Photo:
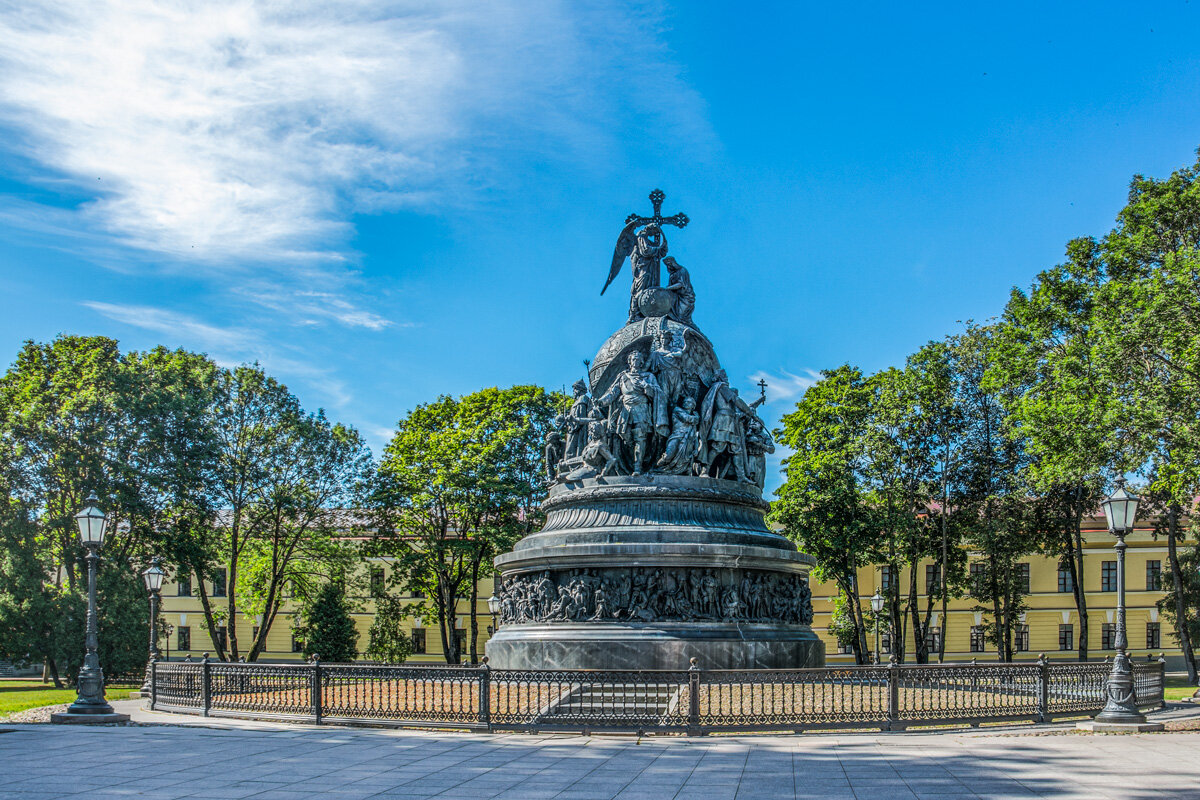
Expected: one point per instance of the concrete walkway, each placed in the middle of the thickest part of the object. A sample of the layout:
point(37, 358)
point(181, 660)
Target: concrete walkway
point(236, 759)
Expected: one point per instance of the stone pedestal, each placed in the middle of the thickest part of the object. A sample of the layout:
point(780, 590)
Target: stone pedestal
point(648, 572)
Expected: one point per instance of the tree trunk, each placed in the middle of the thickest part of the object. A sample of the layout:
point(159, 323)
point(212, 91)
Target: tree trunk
point(1181, 626)
point(210, 620)
point(921, 646)
point(859, 645)
point(997, 613)
point(52, 668)
point(474, 601)
point(1077, 582)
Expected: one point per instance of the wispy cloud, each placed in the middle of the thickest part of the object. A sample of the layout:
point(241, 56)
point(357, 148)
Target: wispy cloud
point(784, 386)
point(233, 132)
point(178, 327)
point(229, 347)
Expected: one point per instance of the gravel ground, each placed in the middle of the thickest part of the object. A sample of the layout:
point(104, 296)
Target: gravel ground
point(41, 714)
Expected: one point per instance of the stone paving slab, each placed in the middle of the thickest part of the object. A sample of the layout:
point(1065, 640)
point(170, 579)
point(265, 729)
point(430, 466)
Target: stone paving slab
point(231, 759)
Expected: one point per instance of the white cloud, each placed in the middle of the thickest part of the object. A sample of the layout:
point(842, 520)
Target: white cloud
point(233, 131)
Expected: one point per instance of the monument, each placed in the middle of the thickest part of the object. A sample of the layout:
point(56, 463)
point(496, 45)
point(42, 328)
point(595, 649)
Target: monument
point(655, 548)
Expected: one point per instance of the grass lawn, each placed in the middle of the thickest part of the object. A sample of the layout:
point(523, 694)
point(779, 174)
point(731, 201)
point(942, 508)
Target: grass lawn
point(1178, 689)
point(18, 695)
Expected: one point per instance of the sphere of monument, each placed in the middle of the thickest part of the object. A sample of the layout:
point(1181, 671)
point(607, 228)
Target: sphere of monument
point(655, 301)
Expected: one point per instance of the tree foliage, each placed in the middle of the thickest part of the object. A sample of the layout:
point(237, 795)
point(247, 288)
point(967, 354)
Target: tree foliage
point(458, 483)
point(327, 626)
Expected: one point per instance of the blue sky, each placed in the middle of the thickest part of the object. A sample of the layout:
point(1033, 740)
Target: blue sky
point(382, 202)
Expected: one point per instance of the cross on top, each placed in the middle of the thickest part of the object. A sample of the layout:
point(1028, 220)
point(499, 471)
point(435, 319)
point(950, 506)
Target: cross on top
point(762, 387)
point(656, 197)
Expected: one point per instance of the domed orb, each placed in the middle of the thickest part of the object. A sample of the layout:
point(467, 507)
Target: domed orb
point(655, 301)
point(640, 336)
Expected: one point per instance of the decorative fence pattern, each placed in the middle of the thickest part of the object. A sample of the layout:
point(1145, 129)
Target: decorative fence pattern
point(690, 701)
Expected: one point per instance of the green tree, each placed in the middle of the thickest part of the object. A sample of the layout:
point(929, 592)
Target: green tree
point(388, 641)
point(822, 503)
point(283, 481)
point(459, 483)
point(77, 416)
point(1146, 313)
point(1064, 413)
point(327, 626)
point(993, 501)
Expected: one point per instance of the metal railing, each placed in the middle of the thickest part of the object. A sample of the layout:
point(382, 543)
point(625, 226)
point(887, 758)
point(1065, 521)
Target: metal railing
point(692, 701)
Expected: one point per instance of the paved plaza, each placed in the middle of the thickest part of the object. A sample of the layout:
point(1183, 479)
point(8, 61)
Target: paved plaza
point(233, 759)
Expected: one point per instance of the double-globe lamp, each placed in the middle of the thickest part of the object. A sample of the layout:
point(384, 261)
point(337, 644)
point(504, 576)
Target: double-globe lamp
point(90, 705)
point(876, 607)
point(1121, 708)
point(153, 577)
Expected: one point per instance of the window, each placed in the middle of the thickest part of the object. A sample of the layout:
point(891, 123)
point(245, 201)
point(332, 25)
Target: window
point(885, 642)
point(418, 640)
point(933, 639)
point(219, 582)
point(377, 576)
point(843, 649)
point(1108, 576)
point(222, 637)
point(185, 638)
point(297, 643)
point(1065, 584)
point(460, 639)
point(1022, 638)
point(183, 584)
point(1153, 577)
point(1023, 577)
point(933, 584)
point(885, 578)
point(978, 573)
point(977, 639)
point(1066, 637)
point(1153, 636)
point(1108, 636)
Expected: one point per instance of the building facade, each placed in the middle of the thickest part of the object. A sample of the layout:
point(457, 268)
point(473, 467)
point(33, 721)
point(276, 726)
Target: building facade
point(1050, 625)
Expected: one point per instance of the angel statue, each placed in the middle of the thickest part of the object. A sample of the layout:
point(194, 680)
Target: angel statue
point(645, 250)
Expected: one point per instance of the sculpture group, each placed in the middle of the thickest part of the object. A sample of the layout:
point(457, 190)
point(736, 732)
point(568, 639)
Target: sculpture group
point(654, 595)
point(655, 551)
point(667, 412)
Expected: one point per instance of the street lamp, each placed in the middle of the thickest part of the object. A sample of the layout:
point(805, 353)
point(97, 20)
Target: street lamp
point(153, 578)
point(493, 604)
point(90, 705)
point(876, 607)
point(1120, 510)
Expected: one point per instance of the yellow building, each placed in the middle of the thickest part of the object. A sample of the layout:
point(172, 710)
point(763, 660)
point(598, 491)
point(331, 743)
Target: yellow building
point(181, 608)
point(1050, 625)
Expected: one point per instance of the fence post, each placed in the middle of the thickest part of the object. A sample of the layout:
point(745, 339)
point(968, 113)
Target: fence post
point(485, 694)
point(693, 727)
point(893, 679)
point(1043, 714)
point(205, 686)
point(153, 682)
point(316, 688)
point(1162, 680)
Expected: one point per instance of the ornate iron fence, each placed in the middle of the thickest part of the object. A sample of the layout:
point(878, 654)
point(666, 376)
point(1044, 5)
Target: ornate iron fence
point(692, 701)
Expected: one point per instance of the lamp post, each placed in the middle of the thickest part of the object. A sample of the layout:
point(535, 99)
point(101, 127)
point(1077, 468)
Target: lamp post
point(876, 607)
point(493, 604)
point(1120, 511)
point(90, 705)
point(153, 578)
